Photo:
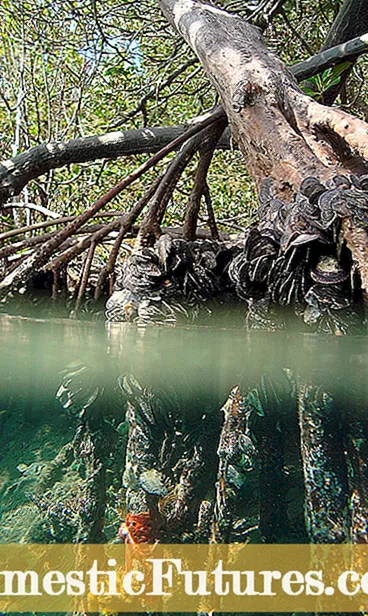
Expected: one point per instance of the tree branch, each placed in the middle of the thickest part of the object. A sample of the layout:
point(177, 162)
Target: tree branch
point(16, 172)
point(41, 257)
point(330, 57)
point(351, 22)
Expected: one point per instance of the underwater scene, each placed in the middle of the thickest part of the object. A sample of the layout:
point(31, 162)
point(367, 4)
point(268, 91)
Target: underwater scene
point(112, 433)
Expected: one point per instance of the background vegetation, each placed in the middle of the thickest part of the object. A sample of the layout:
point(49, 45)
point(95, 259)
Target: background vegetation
point(76, 68)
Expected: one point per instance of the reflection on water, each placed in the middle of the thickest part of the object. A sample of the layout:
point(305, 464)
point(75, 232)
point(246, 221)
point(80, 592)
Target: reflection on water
point(217, 435)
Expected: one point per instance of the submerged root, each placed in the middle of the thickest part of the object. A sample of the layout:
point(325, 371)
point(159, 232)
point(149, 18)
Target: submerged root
point(285, 461)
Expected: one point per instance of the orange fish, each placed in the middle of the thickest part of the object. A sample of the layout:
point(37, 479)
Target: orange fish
point(138, 528)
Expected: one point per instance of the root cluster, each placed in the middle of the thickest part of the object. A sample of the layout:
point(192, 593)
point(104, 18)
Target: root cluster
point(303, 265)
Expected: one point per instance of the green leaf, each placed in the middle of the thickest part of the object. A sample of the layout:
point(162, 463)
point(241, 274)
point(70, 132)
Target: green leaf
point(333, 83)
point(310, 92)
point(339, 69)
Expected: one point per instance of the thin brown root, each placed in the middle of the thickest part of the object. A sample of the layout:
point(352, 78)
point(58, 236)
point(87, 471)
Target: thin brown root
point(85, 276)
point(199, 186)
point(39, 259)
point(126, 223)
point(150, 227)
point(211, 215)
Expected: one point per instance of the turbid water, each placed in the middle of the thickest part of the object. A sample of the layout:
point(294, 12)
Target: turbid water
point(62, 384)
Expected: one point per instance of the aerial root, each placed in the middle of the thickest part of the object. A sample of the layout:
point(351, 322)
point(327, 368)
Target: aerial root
point(200, 186)
point(204, 142)
point(57, 249)
point(126, 223)
point(302, 254)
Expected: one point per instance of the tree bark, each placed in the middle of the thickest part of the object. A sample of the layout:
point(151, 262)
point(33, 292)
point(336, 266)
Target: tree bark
point(351, 22)
point(284, 135)
point(277, 126)
point(16, 172)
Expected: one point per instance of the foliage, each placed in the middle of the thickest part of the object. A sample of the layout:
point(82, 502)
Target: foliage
point(317, 85)
point(71, 68)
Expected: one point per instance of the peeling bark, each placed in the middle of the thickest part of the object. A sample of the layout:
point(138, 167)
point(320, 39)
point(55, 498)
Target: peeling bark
point(277, 126)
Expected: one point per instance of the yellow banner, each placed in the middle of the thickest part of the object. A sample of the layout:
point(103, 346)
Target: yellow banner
point(184, 578)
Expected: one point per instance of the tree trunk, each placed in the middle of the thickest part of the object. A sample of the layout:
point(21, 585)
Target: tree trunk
point(283, 134)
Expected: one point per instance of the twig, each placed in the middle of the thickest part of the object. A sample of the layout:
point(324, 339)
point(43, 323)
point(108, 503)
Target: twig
point(141, 105)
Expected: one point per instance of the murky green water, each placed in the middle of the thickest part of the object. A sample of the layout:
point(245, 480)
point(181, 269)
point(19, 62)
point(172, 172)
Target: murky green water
point(172, 352)
point(63, 433)
point(191, 369)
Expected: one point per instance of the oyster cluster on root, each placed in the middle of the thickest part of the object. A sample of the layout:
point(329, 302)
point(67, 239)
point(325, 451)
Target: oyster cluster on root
point(172, 281)
point(284, 460)
point(197, 483)
point(73, 494)
point(286, 463)
point(293, 258)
